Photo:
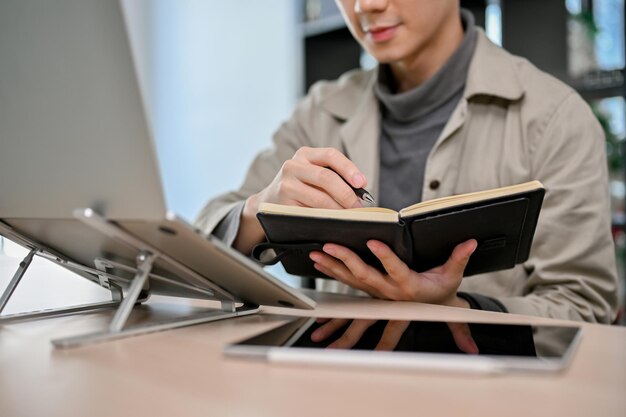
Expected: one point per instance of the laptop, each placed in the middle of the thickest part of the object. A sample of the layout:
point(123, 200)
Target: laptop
point(78, 170)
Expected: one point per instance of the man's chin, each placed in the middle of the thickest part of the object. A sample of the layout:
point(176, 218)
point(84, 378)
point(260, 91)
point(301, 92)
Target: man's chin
point(386, 58)
point(388, 54)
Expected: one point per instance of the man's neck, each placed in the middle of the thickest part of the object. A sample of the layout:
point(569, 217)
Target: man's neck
point(421, 66)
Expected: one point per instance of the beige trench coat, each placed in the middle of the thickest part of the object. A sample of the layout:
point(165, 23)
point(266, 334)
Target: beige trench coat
point(513, 124)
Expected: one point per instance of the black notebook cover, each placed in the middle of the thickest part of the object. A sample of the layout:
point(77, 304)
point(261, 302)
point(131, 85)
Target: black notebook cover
point(503, 226)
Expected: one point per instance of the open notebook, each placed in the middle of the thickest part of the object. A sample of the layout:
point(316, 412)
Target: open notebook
point(502, 220)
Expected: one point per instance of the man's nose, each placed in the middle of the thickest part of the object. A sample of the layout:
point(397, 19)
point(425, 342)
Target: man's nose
point(369, 6)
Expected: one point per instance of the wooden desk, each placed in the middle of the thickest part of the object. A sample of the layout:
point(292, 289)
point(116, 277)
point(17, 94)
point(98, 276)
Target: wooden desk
point(183, 372)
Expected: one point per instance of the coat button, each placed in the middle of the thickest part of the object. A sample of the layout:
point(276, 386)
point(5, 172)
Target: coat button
point(434, 184)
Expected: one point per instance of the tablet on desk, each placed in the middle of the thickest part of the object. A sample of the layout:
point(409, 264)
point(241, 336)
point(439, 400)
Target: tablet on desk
point(413, 345)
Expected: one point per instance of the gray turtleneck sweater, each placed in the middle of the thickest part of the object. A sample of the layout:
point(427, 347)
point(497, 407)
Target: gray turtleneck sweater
point(413, 120)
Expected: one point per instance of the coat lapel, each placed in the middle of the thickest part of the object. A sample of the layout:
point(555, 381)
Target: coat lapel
point(356, 106)
point(491, 73)
point(360, 137)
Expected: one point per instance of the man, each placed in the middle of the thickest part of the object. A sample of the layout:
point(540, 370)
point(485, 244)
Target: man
point(446, 112)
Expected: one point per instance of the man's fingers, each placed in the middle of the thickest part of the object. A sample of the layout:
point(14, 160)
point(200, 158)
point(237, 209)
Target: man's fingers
point(308, 196)
point(362, 275)
point(394, 266)
point(334, 159)
point(335, 268)
point(313, 186)
point(327, 271)
point(392, 334)
point(463, 338)
point(352, 335)
point(460, 257)
point(327, 329)
point(332, 184)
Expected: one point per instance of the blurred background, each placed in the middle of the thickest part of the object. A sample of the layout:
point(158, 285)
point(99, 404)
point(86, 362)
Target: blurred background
point(220, 77)
point(218, 92)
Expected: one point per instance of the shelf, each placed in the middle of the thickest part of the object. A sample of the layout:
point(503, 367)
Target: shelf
point(600, 84)
point(334, 22)
point(323, 25)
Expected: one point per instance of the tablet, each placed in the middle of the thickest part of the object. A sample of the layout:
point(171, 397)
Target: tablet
point(413, 345)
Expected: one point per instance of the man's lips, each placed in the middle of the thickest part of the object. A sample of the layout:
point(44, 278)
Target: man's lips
point(382, 33)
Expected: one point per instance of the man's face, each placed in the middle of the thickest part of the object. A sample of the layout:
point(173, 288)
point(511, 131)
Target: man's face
point(396, 30)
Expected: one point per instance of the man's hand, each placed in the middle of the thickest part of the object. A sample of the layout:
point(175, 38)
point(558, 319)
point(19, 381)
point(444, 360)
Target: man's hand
point(305, 181)
point(436, 286)
point(390, 338)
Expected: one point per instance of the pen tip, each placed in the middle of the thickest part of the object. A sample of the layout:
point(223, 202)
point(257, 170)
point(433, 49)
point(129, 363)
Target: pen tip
point(368, 197)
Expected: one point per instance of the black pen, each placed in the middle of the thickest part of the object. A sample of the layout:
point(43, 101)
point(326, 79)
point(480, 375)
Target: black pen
point(362, 193)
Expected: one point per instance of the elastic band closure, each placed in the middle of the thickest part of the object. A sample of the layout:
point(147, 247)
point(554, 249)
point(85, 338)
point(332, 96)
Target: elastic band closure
point(282, 250)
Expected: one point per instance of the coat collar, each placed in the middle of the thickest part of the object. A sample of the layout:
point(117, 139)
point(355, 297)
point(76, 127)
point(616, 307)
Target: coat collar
point(492, 72)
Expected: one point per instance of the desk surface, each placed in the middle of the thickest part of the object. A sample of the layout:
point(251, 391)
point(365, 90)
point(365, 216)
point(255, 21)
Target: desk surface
point(183, 372)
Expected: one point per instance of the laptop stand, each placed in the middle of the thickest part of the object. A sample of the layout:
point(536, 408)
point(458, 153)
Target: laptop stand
point(138, 290)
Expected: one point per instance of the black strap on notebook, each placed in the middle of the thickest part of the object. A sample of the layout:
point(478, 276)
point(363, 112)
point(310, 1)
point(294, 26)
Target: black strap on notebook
point(282, 250)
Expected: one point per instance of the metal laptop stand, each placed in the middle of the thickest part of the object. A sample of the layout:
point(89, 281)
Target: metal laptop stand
point(138, 291)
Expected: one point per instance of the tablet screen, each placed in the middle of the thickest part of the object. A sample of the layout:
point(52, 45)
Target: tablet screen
point(512, 346)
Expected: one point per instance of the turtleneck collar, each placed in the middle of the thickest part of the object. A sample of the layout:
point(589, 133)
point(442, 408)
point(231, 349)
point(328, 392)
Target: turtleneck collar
point(436, 91)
